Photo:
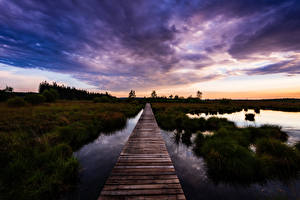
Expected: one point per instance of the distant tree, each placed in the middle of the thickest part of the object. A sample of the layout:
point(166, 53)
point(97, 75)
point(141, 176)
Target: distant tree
point(153, 94)
point(199, 94)
point(171, 96)
point(6, 93)
point(8, 89)
point(131, 94)
point(176, 97)
point(65, 92)
point(50, 96)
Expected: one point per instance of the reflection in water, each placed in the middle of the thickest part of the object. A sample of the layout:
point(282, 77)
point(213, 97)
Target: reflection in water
point(98, 158)
point(289, 121)
point(191, 171)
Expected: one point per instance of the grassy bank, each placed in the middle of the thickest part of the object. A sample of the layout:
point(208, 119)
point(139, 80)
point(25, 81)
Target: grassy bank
point(233, 155)
point(37, 142)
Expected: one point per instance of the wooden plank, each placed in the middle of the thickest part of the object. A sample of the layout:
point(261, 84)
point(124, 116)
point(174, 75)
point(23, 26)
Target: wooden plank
point(143, 192)
point(149, 197)
point(144, 169)
point(138, 181)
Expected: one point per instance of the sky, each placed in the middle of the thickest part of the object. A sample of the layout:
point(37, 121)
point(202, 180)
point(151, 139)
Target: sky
point(224, 48)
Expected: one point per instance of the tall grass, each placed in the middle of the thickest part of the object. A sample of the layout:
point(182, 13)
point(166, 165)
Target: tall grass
point(227, 152)
point(37, 142)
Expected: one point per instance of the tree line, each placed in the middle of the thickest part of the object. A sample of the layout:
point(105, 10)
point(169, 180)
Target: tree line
point(175, 97)
point(70, 93)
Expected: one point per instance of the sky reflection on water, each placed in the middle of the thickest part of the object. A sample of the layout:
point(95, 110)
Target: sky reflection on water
point(98, 158)
point(191, 170)
point(289, 121)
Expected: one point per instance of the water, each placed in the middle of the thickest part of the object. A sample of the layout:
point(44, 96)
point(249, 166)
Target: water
point(97, 160)
point(191, 170)
point(289, 121)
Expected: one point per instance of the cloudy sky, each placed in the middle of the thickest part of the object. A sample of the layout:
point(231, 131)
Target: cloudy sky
point(225, 48)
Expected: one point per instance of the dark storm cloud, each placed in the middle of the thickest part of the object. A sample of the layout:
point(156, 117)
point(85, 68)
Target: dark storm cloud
point(135, 40)
point(288, 67)
point(281, 33)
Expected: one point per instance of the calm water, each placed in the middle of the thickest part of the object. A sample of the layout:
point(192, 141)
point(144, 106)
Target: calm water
point(289, 121)
point(97, 160)
point(191, 169)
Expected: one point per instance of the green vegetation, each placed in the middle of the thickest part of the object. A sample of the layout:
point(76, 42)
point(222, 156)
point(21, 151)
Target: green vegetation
point(233, 155)
point(36, 143)
point(65, 92)
point(16, 102)
point(250, 116)
point(35, 99)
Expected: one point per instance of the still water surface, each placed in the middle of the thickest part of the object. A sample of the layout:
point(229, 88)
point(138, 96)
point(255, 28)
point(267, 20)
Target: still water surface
point(98, 158)
point(289, 121)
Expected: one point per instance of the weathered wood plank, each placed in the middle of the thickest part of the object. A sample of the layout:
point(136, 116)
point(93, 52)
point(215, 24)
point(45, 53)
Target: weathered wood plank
point(144, 169)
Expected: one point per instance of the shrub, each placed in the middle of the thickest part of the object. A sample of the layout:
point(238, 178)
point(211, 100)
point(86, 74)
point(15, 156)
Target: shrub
point(278, 159)
point(227, 161)
point(48, 96)
point(16, 102)
point(297, 145)
point(215, 123)
point(240, 135)
point(186, 138)
point(271, 131)
point(35, 99)
point(199, 140)
point(250, 116)
point(103, 99)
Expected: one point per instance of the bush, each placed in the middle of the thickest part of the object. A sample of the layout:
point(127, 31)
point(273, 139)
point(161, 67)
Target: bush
point(228, 161)
point(103, 99)
point(35, 99)
point(278, 159)
point(267, 131)
point(215, 123)
point(199, 140)
point(297, 145)
point(186, 138)
point(50, 95)
point(16, 102)
point(250, 116)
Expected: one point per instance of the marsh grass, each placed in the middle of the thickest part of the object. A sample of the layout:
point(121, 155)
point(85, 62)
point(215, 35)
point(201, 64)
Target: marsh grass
point(16, 102)
point(37, 142)
point(250, 117)
point(227, 152)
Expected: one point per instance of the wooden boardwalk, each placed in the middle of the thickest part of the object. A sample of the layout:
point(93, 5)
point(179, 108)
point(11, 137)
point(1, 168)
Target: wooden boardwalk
point(144, 169)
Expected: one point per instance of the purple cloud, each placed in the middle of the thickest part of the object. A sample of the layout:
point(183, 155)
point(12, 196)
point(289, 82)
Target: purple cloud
point(121, 44)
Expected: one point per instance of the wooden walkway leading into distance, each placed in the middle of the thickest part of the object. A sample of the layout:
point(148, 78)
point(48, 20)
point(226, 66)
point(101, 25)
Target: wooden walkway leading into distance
point(144, 169)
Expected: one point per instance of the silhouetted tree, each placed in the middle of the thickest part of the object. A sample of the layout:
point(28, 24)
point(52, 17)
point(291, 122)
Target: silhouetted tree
point(171, 96)
point(199, 94)
point(65, 92)
point(131, 94)
point(8, 89)
point(153, 94)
